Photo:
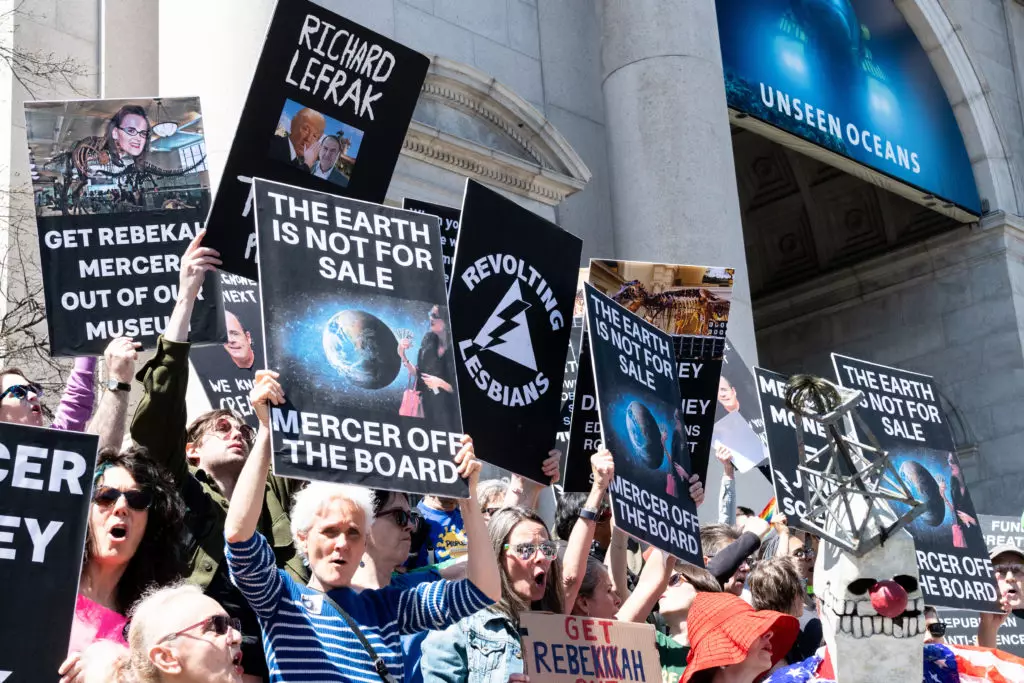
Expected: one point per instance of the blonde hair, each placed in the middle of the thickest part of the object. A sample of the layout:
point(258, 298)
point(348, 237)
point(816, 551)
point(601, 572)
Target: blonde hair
point(146, 629)
point(308, 503)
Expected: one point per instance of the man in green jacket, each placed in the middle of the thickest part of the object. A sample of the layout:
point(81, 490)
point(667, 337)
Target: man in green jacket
point(205, 459)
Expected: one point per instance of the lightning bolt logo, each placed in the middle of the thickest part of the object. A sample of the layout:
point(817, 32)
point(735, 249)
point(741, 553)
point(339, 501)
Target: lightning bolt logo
point(508, 315)
point(505, 332)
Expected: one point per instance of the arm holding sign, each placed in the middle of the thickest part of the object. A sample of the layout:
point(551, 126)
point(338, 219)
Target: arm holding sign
point(653, 580)
point(481, 565)
point(77, 401)
point(522, 491)
point(574, 567)
point(727, 492)
point(112, 413)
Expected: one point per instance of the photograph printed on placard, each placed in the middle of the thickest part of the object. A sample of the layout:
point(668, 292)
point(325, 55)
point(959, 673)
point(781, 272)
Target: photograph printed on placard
point(315, 143)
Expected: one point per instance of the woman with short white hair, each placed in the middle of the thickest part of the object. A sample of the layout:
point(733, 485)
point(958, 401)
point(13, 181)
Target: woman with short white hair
point(328, 630)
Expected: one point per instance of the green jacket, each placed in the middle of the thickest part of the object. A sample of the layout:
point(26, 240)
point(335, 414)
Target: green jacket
point(160, 425)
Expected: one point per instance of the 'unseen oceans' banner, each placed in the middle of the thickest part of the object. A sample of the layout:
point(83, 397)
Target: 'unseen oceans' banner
point(354, 318)
point(851, 77)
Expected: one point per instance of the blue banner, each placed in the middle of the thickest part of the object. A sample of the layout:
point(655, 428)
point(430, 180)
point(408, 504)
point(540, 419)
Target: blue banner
point(851, 77)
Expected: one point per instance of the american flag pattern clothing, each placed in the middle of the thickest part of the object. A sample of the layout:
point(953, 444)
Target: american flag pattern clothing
point(977, 664)
point(940, 666)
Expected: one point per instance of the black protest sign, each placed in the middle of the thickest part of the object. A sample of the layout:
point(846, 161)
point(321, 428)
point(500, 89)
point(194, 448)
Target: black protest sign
point(120, 189)
point(45, 493)
point(902, 410)
point(328, 109)
point(643, 427)
point(227, 371)
point(738, 423)
point(698, 387)
point(962, 629)
point(780, 425)
point(572, 359)
point(585, 426)
point(354, 320)
point(449, 218)
point(511, 298)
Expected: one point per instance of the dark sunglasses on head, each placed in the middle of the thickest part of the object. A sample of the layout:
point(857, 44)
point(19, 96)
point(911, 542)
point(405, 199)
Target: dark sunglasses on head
point(106, 496)
point(217, 624)
point(403, 518)
point(20, 391)
point(937, 630)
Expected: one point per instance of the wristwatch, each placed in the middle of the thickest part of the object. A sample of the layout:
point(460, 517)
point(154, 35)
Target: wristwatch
point(587, 513)
point(114, 385)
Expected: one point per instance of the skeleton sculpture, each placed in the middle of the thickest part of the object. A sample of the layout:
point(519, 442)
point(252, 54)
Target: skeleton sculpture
point(690, 310)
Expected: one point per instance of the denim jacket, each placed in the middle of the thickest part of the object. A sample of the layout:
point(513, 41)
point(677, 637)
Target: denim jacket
point(483, 648)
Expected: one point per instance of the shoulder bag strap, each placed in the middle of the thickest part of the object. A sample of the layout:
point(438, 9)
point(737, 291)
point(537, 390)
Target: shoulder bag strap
point(378, 664)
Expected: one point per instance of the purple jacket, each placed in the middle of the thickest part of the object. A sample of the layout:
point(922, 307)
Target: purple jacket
point(75, 407)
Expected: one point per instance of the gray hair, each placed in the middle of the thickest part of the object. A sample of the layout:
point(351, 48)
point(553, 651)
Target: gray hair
point(308, 503)
point(146, 629)
point(489, 489)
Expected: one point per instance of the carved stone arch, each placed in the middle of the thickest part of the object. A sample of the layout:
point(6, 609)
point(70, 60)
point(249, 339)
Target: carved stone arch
point(473, 125)
point(947, 49)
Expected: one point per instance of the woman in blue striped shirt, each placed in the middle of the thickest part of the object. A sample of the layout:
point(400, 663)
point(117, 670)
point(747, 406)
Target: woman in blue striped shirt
point(305, 638)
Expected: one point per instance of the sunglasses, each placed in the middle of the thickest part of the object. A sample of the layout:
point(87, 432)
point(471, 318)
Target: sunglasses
point(107, 496)
point(937, 630)
point(134, 132)
point(490, 511)
point(1016, 568)
point(676, 580)
point(218, 624)
point(403, 518)
point(527, 551)
point(804, 554)
point(20, 391)
point(223, 427)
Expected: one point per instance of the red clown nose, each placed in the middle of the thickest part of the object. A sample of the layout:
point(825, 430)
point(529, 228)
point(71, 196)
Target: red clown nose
point(888, 598)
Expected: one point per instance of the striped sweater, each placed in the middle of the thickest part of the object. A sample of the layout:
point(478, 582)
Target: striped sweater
point(304, 637)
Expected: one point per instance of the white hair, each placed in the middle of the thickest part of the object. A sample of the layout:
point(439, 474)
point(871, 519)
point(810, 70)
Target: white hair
point(147, 627)
point(308, 503)
point(490, 489)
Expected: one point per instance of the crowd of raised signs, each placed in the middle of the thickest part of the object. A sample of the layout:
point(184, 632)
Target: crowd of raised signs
point(201, 565)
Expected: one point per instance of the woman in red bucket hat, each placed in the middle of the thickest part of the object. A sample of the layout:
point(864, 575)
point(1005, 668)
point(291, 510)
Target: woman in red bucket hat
point(731, 642)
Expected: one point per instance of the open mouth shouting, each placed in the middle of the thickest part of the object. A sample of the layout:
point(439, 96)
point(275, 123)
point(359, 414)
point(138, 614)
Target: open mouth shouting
point(118, 532)
point(236, 662)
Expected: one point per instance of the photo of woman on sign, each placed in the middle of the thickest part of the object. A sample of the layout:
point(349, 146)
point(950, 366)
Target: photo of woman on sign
point(434, 371)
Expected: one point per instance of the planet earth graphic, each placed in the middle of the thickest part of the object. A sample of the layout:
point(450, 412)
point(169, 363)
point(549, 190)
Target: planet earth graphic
point(645, 436)
point(361, 348)
point(924, 488)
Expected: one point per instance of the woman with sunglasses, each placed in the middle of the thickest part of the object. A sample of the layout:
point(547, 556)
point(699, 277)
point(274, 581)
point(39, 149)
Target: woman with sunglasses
point(314, 632)
point(132, 543)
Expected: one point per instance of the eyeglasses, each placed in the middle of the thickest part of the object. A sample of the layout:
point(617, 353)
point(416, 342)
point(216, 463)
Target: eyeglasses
point(403, 518)
point(1017, 569)
point(20, 391)
point(804, 554)
point(937, 630)
point(490, 511)
point(218, 624)
point(223, 426)
point(107, 496)
point(135, 132)
point(527, 551)
point(676, 580)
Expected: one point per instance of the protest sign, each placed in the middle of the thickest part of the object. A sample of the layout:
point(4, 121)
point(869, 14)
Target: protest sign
point(1001, 531)
point(738, 423)
point(327, 109)
point(449, 218)
point(227, 371)
point(511, 299)
point(585, 427)
point(569, 649)
point(780, 424)
point(120, 189)
point(902, 410)
point(45, 493)
point(354, 320)
point(643, 425)
point(572, 361)
point(962, 629)
point(692, 304)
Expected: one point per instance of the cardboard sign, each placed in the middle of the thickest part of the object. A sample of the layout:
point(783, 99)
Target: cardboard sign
point(227, 371)
point(449, 218)
point(328, 109)
point(511, 299)
point(45, 494)
point(962, 629)
point(780, 425)
point(738, 423)
point(354, 320)
point(120, 189)
point(692, 304)
point(643, 426)
point(903, 411)
point(569, 649)
point(585, 427)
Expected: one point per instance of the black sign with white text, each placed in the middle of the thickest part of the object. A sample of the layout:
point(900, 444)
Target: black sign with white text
point(511, 296)
point(45, 494)
point(698, 386)
point(585, 426)
point(780, 425)
point(449, 218)
point(643, 426)
point(118, 198)
point(227, 371)
point(743, 432)
point(355, 322)
point(903, 411)
point(328, 109)
point(962, 629)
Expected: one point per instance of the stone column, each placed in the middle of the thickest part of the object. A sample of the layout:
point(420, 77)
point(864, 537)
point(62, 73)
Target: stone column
point(673, 180)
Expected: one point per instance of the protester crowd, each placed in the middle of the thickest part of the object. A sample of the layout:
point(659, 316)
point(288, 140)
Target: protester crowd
point(201, 565)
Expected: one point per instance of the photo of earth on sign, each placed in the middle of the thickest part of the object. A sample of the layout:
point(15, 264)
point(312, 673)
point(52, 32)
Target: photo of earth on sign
point(361, 348)
point(648, 441)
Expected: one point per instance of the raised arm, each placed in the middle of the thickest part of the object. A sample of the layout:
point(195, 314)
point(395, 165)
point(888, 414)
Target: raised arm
point(195, 263)
point(574, 566)
point(77, 400)
point(650, 587)
point(482, 565)
point(523, 492)
point(112, 414)
point(727, 492)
